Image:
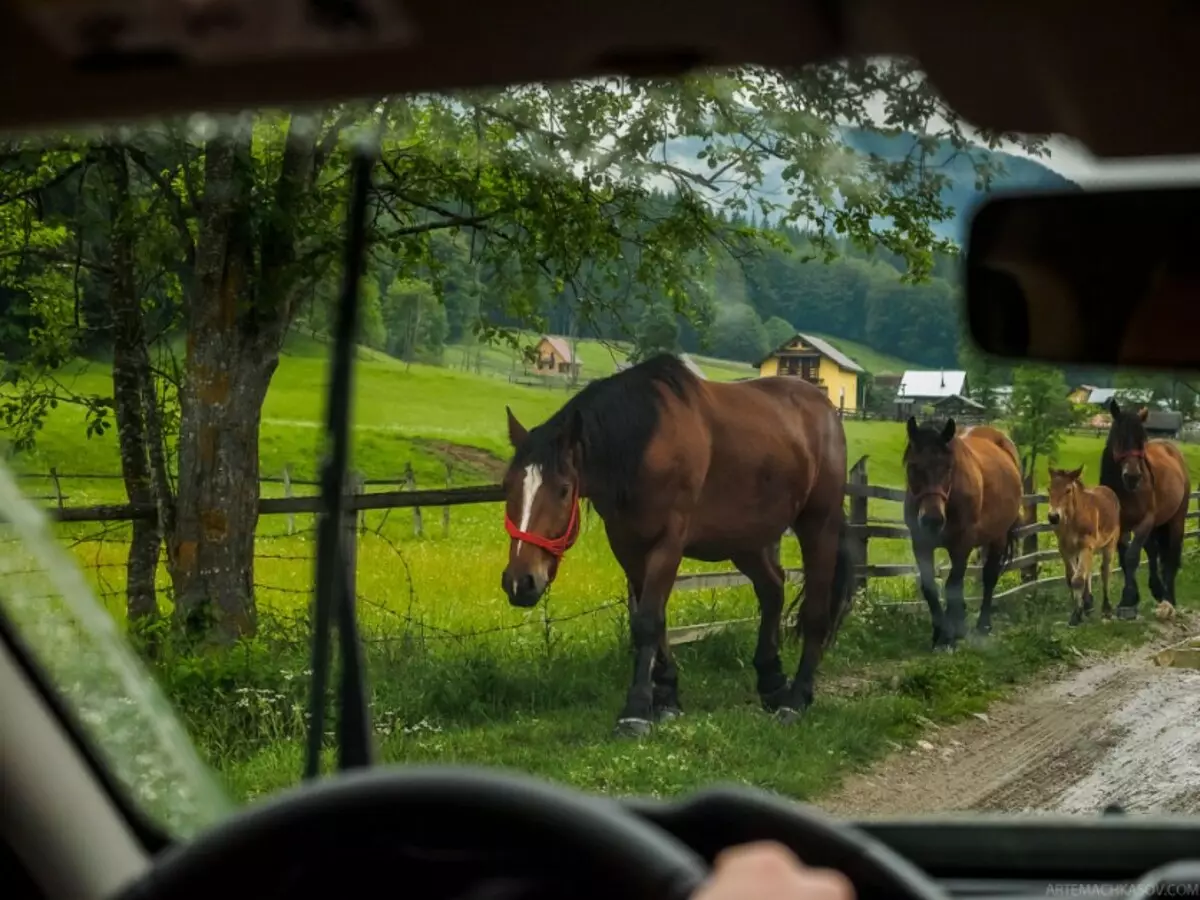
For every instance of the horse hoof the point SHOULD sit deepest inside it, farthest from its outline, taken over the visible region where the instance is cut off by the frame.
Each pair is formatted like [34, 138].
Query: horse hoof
[978, 638]
[1075, 621]
[1164, 611]
[668, 713]
[1128, 613]
[775, 699]
[788, 716]
[633, 728]
[943, 648]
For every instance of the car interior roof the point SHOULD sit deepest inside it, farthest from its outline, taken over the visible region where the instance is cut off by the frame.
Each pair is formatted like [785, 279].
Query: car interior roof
[1114, 76]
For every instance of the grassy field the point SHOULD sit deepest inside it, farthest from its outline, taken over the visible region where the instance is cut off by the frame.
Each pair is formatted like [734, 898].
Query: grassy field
[458, 675]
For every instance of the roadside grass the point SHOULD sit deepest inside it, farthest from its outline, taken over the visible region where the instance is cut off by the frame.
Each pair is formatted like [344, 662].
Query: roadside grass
[544, 701]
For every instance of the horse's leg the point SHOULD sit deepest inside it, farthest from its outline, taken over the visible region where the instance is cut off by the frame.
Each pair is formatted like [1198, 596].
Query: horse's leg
[1106, 556]
[648, 625]
[766, 575]
[665, 674]
[923, 554]
[1153, 545]
[819, 536]
[1083, 578]
[992, 561]
[1130, 558]
[1171, 546]
[956, 601]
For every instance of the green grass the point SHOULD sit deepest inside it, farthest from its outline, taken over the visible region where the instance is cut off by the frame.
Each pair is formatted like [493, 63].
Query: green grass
[459, 675]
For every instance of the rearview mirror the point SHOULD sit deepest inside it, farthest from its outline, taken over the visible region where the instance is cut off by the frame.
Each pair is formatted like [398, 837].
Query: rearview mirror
[1107, 278]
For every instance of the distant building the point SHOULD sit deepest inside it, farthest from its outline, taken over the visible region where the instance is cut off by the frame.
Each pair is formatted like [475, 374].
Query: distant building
[818, 362]
[958, 405]
[1100, 396]
[554, 357]
[921, 388]
[1164, 423]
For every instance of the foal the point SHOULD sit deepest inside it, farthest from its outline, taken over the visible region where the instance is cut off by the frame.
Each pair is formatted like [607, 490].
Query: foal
[1085, 520]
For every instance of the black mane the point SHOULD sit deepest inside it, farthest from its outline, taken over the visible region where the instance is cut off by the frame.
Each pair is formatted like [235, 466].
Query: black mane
[612, 420]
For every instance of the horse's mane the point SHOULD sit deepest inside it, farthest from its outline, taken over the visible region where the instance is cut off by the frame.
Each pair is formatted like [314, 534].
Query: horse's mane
[1127, 431]
[613, 421]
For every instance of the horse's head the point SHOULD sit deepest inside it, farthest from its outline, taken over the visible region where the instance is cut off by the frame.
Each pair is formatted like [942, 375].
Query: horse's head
[541, 495]
[1127, 443]
[1064, 484]
[929, 468]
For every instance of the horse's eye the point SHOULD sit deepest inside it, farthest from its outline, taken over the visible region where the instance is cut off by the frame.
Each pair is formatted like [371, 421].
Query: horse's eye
[564, 490]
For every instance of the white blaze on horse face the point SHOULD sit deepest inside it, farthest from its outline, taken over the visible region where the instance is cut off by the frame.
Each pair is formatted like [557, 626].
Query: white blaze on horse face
[531, 484]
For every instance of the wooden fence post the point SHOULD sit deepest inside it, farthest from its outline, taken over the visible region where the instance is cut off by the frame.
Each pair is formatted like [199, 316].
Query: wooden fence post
[287, 492]
[1029, 572]
[410, 483]
[858, 516]
[57, 487]
[446, 509]
[357, 483]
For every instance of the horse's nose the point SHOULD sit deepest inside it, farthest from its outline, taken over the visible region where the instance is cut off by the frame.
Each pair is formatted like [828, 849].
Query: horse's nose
[1132, 480]
[523, 590]
[932, 521]
[1054, 518]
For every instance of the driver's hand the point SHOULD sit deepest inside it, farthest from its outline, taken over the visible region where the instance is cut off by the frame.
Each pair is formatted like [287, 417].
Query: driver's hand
[770, 871]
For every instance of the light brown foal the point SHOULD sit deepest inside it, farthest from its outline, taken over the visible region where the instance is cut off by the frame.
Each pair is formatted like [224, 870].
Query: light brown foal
[1085, 520]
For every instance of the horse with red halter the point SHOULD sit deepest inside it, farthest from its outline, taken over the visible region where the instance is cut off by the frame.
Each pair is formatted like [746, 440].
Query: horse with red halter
[1151, 481]
[964, 491]
[680, 467]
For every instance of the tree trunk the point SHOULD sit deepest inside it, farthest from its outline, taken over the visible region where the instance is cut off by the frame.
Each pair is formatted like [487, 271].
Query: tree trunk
[245, 292]
[131, 380]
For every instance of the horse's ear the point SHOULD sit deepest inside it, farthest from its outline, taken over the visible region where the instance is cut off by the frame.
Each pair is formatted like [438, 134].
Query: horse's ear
[912, 427]
[1076, 474]
[516, 431]
[948, 431]
[1142, 413]
[1114, 407]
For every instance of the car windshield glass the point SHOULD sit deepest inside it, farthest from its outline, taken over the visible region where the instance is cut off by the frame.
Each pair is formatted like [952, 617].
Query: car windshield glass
[623, 341]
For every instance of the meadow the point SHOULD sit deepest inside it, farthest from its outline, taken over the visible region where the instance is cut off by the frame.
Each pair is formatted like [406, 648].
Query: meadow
[460, 676]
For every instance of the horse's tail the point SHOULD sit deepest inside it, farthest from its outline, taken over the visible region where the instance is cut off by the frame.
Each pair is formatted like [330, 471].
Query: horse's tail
[1011, 541]
[841, 597]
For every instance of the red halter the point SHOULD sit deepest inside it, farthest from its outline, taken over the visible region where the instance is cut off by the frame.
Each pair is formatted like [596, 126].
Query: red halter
[1135, 453]
[942, 493]
[556, 547]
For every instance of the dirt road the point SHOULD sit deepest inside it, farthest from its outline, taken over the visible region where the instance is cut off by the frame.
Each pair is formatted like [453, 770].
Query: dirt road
[1116, 731]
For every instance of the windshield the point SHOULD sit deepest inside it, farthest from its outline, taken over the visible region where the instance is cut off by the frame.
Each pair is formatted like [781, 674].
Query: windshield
[167, 294]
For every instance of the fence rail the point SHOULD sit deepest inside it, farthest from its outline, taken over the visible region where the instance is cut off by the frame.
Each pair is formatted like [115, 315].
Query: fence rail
[860, 528]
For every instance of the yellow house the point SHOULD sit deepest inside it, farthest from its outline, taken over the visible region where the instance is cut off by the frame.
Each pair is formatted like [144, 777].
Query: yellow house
[816, 361]
[1081, 394]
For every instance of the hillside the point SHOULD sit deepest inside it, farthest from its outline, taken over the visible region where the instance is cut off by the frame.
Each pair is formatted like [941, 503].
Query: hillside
[874, 361]
[961, 191]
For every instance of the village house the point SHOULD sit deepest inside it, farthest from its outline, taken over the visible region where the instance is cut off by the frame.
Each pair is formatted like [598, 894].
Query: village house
[920, 390]
[817, 362]
[554, 357]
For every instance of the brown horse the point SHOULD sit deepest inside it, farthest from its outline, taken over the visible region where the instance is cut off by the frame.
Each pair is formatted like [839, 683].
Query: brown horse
[1085, 520]
[1151, 481]
[963, 492]
[680, 467]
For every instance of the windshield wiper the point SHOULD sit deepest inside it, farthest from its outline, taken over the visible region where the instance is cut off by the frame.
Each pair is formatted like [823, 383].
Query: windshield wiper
[332, 591]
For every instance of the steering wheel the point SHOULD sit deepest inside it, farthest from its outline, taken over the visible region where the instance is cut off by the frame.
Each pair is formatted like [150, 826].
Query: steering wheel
[456, 817]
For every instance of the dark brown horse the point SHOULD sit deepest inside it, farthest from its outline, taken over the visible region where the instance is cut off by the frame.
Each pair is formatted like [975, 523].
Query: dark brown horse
[964, 491]
[680, 467]
[1150, 479]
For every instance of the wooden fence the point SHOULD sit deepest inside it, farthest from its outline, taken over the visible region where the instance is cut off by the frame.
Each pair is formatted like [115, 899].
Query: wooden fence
[862, 527]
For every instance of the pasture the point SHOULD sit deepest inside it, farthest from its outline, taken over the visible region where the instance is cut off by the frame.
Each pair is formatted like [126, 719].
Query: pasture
[460, 676]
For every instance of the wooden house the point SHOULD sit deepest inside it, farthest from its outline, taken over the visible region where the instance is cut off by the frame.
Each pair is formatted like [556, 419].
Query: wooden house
[817, 362]
[554, 357]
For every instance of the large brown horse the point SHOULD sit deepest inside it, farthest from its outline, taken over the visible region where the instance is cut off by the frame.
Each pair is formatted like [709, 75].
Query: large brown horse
[1150, 479]
[680, 467]
[964, 491]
